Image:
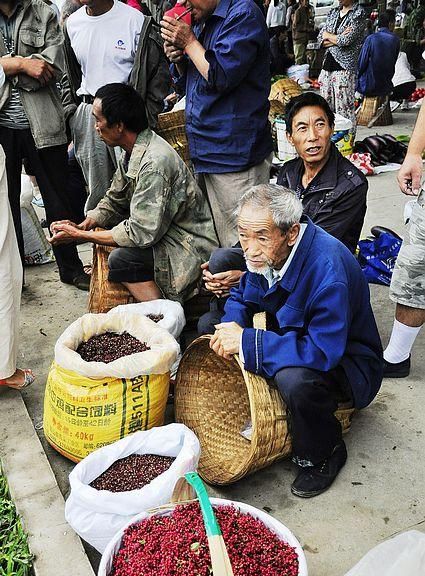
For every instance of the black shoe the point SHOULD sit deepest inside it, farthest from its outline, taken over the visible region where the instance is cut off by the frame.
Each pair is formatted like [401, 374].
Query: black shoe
[397, 370]
[378, 230]
[81, 281]
[313, 480]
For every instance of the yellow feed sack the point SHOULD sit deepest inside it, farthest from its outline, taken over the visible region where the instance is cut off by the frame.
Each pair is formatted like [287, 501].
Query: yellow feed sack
[85, 410]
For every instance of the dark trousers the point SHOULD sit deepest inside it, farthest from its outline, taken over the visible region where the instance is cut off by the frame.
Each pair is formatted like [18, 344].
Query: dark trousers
[131, 265]
[403, 91]
[49, 166]
[221, 260]
[312, 397]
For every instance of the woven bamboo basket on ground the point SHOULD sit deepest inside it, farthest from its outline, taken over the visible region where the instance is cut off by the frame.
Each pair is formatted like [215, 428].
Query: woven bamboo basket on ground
[216, 398]
[103, 294]
[369, 108]
[172, 127]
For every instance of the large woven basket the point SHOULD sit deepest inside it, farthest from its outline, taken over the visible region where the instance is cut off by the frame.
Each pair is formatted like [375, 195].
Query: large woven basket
[369, 108]
[172, 127]
[216, 398]
[104, 294]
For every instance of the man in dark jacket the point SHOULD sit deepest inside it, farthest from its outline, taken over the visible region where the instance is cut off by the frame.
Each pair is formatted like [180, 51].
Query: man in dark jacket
[323, 343]
[378, 58]
[107, 41]
[332, 190]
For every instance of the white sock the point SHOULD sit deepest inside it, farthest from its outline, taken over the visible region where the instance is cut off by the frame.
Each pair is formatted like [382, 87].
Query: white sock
[401, 342]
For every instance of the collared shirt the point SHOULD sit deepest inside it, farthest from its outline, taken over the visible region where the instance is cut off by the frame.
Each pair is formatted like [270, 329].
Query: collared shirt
[227, 115]
[13, 114]
[274, 276]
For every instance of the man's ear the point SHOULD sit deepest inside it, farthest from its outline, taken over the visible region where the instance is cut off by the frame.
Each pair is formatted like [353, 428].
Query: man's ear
[120, 127]
[293, 232]
[289, 138]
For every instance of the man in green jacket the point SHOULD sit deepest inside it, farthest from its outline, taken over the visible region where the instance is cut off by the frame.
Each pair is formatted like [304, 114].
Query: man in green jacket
[32, 124]
[107, 41]
[156, 215]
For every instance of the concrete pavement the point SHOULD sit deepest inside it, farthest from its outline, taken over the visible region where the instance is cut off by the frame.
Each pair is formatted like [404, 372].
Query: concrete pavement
[378, 493]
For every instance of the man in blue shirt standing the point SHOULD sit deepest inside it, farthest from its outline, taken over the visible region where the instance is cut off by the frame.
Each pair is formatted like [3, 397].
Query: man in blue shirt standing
[378, 58]
[225, 63]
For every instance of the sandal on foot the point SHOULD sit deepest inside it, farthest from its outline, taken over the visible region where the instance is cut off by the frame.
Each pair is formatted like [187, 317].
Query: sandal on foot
[28, 380]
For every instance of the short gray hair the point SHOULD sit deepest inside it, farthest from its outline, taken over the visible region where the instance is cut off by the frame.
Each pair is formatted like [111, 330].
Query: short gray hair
[284, 206]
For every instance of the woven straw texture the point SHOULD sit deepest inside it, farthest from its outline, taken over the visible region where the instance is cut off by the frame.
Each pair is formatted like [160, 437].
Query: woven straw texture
[103, 294]
[368, 110]
[172, 127]
[285, 89]
[216, 398]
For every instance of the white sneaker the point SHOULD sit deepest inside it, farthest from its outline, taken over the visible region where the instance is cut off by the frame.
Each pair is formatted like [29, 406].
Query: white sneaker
[405, 105]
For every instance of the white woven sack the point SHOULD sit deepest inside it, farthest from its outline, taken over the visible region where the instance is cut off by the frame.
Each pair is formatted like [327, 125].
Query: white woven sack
[158, 360]
[97, 515]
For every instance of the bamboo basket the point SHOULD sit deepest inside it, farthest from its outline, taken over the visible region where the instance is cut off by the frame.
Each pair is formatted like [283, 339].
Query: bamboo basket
[172, 127]
[103, 294]
[368, 110]
[216, 398]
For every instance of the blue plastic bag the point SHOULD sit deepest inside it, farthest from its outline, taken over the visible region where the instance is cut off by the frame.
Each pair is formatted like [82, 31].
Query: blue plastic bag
[377, 258]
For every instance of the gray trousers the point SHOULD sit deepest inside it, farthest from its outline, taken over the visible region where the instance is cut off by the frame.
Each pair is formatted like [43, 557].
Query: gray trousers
[97, 160]
[223, 192]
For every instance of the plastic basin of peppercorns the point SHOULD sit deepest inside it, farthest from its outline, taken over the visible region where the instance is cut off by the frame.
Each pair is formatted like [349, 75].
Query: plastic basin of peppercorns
[173, 541]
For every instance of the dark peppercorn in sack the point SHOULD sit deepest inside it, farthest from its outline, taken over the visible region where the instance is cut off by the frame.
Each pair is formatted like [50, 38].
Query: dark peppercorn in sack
[97, 515]
[88, 405]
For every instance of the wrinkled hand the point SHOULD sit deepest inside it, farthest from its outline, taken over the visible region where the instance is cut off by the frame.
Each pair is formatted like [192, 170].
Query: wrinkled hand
[64, 233]
[38, 69]
[221, 283]
[87, 224]
[177, 33]
[173, 54]
[410, 174]
[226, 338]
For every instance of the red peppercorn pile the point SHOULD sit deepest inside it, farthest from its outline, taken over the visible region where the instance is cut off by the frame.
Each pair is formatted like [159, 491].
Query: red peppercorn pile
[132, 472]
[178, 545]
[110, 346]
[156, 317]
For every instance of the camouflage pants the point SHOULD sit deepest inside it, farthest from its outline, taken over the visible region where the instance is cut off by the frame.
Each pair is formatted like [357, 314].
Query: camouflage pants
[408, 281]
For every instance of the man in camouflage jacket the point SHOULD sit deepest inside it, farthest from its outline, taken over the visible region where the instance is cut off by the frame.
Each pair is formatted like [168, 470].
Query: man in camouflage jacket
[156, 214]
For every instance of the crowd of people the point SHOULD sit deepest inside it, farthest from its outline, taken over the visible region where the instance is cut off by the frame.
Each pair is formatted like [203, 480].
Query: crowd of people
[83, 95]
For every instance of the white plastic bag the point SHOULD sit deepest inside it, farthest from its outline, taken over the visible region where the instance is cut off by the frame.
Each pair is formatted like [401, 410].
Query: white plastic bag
[403, 555]
[174, 320]
[164, 349]
[36, 248]
[274, 525]
[97, 515]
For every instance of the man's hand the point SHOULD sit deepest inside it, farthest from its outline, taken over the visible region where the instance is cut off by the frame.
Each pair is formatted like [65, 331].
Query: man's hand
[87, 224]
[173, 54]
[177, 33]
[226, 339]
[38, 69]
[64, 233]
[219, 284]
[410, 174]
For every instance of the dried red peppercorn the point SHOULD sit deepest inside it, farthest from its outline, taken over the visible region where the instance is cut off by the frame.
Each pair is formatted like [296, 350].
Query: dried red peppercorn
[177, 545]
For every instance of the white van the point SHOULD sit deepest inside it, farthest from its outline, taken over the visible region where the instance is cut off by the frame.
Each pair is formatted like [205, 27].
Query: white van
[321, 9]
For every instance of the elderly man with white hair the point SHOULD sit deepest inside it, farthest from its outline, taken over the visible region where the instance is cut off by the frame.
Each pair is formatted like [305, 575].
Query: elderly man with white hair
[323, 343]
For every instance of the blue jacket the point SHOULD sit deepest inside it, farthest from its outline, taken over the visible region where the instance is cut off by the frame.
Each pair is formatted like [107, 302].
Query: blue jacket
[377, 63]
[227, 115]
[321, 314]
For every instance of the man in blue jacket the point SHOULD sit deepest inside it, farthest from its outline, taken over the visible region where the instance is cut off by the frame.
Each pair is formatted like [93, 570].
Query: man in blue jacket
[224, 63]
[378, 57]
[323, 343]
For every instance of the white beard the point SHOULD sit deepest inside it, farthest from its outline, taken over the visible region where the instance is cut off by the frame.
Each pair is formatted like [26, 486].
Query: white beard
[255, 270]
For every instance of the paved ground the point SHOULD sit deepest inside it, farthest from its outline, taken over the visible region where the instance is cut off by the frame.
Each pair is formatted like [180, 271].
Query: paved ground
[378, 493]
